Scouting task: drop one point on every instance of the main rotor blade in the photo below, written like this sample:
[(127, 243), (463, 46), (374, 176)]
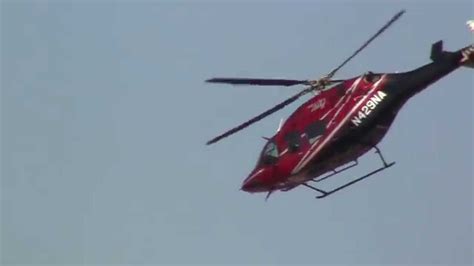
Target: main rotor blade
[(259, 117), (260, 82), (388, 24)]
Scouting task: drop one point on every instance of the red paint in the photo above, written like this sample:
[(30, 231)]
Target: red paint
[(341, 102)]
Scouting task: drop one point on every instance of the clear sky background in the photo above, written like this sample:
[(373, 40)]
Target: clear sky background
[(104, 116)]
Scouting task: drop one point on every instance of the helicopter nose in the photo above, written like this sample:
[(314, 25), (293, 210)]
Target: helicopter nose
[(256, 182), (251, 185)]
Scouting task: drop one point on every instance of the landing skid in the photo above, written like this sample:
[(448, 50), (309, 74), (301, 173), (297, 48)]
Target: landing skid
[(327, 193)]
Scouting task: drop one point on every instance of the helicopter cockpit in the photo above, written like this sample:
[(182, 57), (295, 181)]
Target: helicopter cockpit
[(269, 155)]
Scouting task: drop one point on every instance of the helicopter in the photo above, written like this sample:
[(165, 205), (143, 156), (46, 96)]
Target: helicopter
[(344, 120)]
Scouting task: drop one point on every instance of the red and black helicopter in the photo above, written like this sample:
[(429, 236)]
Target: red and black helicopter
[(328, 133)]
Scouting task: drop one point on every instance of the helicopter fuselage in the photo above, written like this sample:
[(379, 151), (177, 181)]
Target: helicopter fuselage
[(342, 123)]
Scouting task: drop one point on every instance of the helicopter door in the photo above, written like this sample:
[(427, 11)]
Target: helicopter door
[(315, 130), (293, 140)]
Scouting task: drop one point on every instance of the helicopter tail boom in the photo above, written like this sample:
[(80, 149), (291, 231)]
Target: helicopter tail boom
[(467, 54)]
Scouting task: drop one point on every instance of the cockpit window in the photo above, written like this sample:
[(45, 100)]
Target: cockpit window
[(293, 140), (315, 130), (269, 154)]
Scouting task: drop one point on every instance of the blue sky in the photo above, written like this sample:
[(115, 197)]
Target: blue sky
[(105, 115)]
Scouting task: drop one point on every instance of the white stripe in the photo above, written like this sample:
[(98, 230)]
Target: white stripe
[(346, 96), (354, 85), (283, 152), (252, 176), (351, 90), (336, 105), (304, 161)]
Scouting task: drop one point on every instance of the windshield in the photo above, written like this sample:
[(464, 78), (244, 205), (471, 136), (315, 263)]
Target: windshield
[(269, 154)]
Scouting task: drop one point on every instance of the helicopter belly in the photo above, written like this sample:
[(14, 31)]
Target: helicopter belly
[(343, 152), (357, 145)]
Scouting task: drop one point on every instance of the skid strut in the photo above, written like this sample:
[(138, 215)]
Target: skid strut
[(335, 172), (327, 193)]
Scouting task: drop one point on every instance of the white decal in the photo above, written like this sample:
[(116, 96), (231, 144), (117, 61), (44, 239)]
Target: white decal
[(370, 105), (466, 53), (317, 105)]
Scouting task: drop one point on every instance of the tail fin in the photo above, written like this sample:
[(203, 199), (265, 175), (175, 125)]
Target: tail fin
[(437, 52)]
